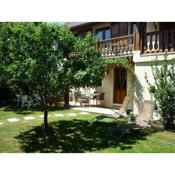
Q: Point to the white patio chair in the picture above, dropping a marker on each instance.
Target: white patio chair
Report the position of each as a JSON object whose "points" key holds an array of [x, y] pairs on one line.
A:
{"points": [[18, 99], [26, 102], [37, 100]]}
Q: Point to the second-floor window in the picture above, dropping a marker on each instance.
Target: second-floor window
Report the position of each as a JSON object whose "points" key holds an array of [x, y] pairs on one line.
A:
{"points": [[119, 29], [103, 34]]}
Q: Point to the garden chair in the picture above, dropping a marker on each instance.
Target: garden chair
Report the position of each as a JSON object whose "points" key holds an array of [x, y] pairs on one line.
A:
{"points": [[143, 120], [100, 99], [94, 97], [84, 99], [146, 113], [18, 99], [81, 98], [122, 111], [36, 100], [26, 102]]}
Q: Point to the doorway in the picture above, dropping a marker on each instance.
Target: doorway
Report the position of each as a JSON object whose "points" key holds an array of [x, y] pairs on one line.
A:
{"points": [[120, 84]]}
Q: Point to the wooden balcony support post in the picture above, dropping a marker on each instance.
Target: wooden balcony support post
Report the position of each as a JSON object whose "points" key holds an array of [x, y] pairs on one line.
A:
{"points": [[172, 43], [156, 45], [166, 33], [161, 41], [136, 41]]}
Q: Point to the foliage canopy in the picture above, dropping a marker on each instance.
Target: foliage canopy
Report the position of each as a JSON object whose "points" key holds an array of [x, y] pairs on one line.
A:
{"points": [[36, 58]]}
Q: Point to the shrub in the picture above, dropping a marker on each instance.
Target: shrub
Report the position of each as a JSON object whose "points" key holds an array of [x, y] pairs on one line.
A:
{"points": [[163, 89]]}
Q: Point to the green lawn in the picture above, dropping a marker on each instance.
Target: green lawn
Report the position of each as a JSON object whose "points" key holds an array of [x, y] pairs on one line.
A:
{"points": [[73, 134]]}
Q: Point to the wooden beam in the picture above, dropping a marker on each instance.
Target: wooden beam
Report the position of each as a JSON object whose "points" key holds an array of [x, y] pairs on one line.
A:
{"points": [[136, 41]]}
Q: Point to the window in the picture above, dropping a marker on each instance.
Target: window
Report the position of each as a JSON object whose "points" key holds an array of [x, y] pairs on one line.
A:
{"points": [[123, 28], [107, 34], [119, 29], [103, 34], [133, 28], [100, 35]]}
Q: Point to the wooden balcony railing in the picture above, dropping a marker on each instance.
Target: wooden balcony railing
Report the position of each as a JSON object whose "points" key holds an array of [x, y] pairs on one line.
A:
{"points": [[119, 46], [160, 41]]}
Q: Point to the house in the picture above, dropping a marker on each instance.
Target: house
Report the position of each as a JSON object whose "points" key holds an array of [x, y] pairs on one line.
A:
{"points": [[140, 42]]}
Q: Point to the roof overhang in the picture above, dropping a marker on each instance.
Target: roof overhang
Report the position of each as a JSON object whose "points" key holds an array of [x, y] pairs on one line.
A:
{"points": [[74, 25]]}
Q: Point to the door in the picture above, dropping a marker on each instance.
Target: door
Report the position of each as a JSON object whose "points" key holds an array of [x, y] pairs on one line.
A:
{"points": [[120, 84]]}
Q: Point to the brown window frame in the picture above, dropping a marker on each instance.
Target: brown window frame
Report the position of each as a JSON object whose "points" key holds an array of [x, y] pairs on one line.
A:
{"points": [[103, 29]]}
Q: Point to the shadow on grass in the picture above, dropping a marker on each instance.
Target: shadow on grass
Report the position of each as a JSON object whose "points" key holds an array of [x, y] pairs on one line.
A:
{"points": [[79, 136]]}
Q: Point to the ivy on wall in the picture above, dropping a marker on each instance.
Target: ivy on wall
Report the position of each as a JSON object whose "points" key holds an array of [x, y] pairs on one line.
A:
{"points": [[121, 61]]}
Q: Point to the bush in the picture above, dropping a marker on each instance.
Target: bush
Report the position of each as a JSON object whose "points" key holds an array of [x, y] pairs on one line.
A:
{"points": [[163, 90]]}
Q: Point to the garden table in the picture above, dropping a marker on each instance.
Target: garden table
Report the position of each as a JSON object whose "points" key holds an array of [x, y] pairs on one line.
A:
{"points": [[93, 96]]}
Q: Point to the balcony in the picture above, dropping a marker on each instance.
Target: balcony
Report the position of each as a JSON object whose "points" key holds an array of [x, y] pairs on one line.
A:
{"points": [[119, 46], [160, 41]]}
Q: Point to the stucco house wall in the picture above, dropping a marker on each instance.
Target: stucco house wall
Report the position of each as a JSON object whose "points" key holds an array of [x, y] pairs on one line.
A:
{"points": [[107, 87], [142, 67]]}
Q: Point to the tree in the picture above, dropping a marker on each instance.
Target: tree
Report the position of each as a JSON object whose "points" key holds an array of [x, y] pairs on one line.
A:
{"points": [[163, 89], [38, 57], [88, 66], [33, 56], [84, 68]]}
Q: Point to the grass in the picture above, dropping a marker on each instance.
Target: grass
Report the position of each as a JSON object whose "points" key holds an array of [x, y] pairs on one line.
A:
{"points": [[76, 134]]}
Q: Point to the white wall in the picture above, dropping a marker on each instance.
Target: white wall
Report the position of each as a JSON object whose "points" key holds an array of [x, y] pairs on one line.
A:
{"points": [[107, 87], [142, 67], [141, 86]]}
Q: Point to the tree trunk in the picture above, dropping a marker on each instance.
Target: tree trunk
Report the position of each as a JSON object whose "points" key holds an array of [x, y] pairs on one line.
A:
{"points": [[46, 118], [66, 97], [45, 109]]}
